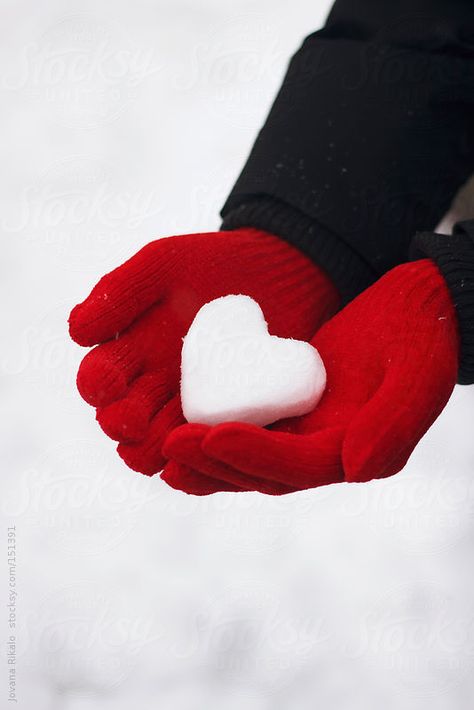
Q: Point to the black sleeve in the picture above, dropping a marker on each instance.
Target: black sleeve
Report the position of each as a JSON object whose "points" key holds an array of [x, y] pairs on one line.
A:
{"points": [[369, 138], [454, 256]]}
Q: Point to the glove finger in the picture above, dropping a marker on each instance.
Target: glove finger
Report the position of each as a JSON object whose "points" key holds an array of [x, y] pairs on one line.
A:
{"points": [[128, 419], [146, 456], [381, 438], [106, 371], [184, 446], [122, 295], [296, 460], [195, 483]]}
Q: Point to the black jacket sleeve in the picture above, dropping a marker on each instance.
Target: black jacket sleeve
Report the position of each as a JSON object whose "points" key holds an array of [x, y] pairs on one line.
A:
{"points": [[369, 137], [454, 256]]}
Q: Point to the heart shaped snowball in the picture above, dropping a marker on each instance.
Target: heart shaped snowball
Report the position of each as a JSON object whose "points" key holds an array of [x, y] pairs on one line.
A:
{"points": [[232, 369]]}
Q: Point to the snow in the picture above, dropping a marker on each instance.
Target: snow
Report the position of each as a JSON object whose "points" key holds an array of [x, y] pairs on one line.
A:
{"points": [[123, 122], [232, 370]]}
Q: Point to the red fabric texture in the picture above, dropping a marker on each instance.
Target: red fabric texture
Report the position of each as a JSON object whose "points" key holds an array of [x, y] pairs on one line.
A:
{"points": [[137, 315], [391, 357]]}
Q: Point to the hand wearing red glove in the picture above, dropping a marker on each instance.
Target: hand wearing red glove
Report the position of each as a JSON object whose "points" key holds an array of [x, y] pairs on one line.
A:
{"points": [[392, 359], [139, 313]]}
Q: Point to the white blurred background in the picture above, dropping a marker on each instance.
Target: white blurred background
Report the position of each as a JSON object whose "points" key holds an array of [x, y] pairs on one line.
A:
{"points": [[122, 122]]}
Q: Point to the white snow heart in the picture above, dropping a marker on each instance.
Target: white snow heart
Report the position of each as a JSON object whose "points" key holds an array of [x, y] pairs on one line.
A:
{"points": [[232, 369]]}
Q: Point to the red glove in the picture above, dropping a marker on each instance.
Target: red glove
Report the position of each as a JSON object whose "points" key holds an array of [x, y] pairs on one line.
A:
{"points": [[392, 359], [140, 312]]}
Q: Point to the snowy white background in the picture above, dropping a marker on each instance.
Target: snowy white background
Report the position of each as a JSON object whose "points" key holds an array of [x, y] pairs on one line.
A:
{"points": [[122, 122]]}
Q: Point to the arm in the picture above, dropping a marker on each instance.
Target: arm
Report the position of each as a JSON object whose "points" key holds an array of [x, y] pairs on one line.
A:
{"points": [[368, 139]]}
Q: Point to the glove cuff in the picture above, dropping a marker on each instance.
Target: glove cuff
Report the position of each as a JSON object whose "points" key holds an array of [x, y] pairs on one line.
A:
{"points": [[454, 256], [348, 271]]}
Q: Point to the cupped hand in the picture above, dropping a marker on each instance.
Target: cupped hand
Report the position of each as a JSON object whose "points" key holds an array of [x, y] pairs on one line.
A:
{"points": [[137, 315], [391, 357]]}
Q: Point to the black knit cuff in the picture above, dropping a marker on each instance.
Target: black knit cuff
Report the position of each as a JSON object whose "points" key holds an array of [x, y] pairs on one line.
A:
{"points": [[349, 273], [454, 256]]}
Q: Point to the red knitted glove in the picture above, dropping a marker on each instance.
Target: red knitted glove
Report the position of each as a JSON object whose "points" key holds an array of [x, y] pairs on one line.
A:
{"points": [[391, 358], [140, 312]]}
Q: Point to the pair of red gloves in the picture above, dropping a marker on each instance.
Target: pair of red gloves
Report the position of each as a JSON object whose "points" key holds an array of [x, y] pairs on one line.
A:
{"points": [[391, 357]]}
